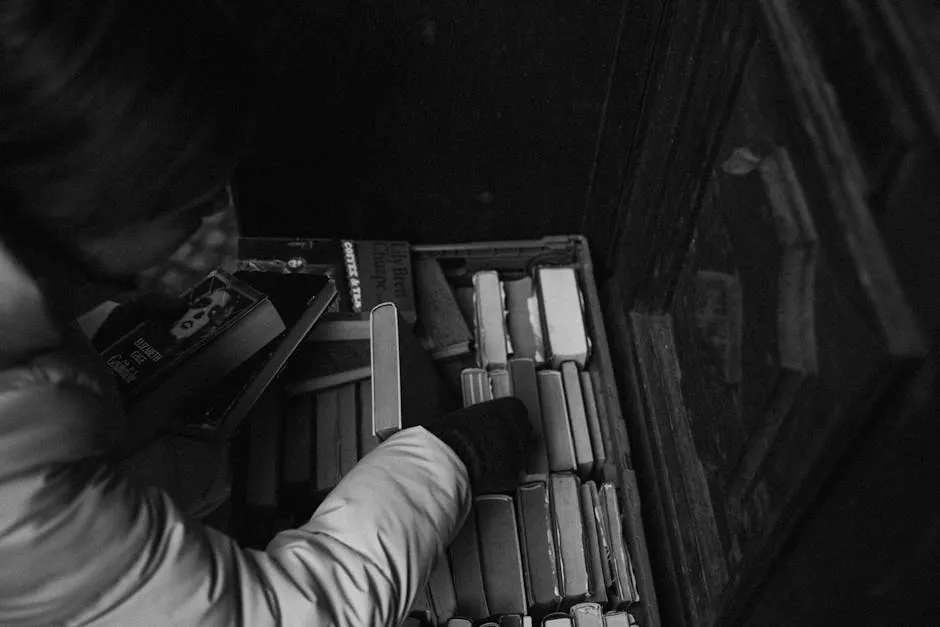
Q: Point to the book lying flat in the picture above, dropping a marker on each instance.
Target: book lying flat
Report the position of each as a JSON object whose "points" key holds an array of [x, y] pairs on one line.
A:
{"points": [[587, 615], [526, 388], [467, 570], [559, 443], [524, 319], [220, 408], [366, 273], [406, 388], [537, 536], [489, 320], [569, 537], [318, 366], [500, 555], [563, 312], [162, 364], [475, 386], [577, 418]]}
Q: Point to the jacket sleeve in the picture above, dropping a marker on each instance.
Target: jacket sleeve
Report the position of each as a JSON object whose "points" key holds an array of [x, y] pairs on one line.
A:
{"points": [[90, 548]]}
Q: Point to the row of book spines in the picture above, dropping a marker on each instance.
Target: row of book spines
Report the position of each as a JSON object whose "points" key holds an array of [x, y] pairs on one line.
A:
{"points": [[581, 615], [307, 442], [541, 318], [557, 544], [563, 406]]}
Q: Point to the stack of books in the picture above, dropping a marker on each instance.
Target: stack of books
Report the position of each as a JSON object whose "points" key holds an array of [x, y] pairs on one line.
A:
{"points": [[364, 340]]}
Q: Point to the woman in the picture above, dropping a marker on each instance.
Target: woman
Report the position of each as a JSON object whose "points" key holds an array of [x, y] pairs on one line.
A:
{"points": [[117, 120]]}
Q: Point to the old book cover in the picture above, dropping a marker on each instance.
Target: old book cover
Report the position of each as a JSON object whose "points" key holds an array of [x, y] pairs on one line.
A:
{"points": [[441, 325], [500, 383], [526, 388], [595, 518], [569, 537], [298, 442], [587, 615], [264, 436], [537, 535], [327, 439], [599, 577], [563, 312], [489, 320], [367, 438], [366, 273], [524, 319], [624, 586], [464, 554], [475, 386], [162, 364], [441, 589], [592, 407], [220, 408], [348, 417], [500, 555], [407, 389], [577, 418], [321, 365], [559, 443]]}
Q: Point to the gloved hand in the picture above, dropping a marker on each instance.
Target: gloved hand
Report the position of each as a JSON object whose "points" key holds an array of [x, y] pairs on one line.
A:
{"points": [[492, 439]]}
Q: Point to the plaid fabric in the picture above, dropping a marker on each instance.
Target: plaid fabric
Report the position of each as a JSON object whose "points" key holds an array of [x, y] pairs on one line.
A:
{"points": [[214, 245]]}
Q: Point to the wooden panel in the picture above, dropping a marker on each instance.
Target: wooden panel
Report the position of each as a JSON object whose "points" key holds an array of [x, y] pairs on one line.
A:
{"points": [[699, 65]]}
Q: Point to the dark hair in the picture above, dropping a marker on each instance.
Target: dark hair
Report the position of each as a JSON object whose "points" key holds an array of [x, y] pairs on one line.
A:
{"points": [[113, 111]]}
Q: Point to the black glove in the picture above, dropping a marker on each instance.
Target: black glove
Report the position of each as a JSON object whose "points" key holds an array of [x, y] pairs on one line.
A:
{"points": [[492, 439]]}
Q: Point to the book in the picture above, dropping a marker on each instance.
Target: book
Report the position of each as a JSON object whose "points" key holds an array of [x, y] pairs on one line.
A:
{"points": [[557, 620], [524, 319], [559, 443], [318, 366], [264, 437], [222, 407], [367, 438], [577, 418], [501, 383], [160, 365], [624, 588], [597, 542], [298, 440], [442, 327], [569, 538], [366, 272], [406, 388], [459, 622], [441, 589], [489, 320], [592, 409], [587, 615], [500, 556], [537, 537], [526, 388], [467, 570], [563, 312], [618, 619], [348, 418], [475, 386], [327, 439]]}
